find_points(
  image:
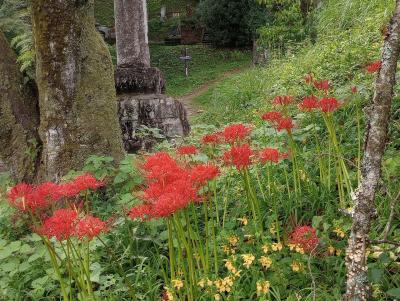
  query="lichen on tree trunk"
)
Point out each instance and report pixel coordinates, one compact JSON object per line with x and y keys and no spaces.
{"x":76,"y":89}
{"x":19,"y":118}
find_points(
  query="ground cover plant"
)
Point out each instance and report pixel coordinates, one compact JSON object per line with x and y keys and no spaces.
{"x":250,"y":212}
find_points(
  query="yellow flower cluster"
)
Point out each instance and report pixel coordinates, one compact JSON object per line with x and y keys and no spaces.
{"x":224,"y":284}
{"x":262,"y":287}
{"x":168,"y":294}
{"x":248,"y":260}
{"x":265,"y":249}
{"x":243,"y":221}
{"x":205,"y":281}
{"x":233,"y":240}
{"x":296,"y":266}
{"x":276,"y":246}
{"x":339,"y":232}
{"x":177,"y":283}
{"x":296,"y":247}
{"x":265,"y":261}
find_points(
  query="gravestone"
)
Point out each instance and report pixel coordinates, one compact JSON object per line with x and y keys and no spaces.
{"x":140,"y":86}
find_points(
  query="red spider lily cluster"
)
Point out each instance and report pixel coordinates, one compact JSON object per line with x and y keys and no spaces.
{"x":170,"y":186}
{"x":235,"y":133}
{"x":374,"y":67}
{"x":305,"y":237}
{"x":239,"y":156}
{"x":186,"y":150}
{"x":64,"y":223}
{"x":29,"y":198}
{"x":322,"y":85}
{"x":283,"y":100}
{"x":271,"y":155}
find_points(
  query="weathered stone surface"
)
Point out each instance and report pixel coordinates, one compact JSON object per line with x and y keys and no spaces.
{"x":154,"y":111}
{"x":131,"y":32}
{"x":139,"y":79}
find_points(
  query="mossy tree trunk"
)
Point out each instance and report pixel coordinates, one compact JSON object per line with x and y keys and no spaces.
{"x":19,"y":118}
{"x":74,"y":74}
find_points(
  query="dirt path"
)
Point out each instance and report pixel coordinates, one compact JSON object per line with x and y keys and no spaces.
{"x":187,"y":99}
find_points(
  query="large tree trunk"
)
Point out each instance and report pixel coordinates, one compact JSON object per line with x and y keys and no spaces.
{"x":378,"y":115}
{"x":76,"y":87}
{"x":19,"y":118}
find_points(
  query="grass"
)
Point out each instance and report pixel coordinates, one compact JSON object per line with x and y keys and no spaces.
{"x":207,"y":64}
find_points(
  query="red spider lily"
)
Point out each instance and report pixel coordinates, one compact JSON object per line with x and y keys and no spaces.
{"x":79,"y":184}
{"x":211,"y":138}
{"x":329,"y":104}
{"x":27,"y":198}
{"x":374,"y":67}
{"x":283,"y":100}
{"x":240,"y":156}
{"x":269,"y":155}
{"x":309,"y":103}
{"x":308,"y":78}
{"x":90,"y":227}
{"x":161,"y":167}
{"x":322,"y":85}
{"x":285,"y":124}
{"x":141,"y":211}
{"x":235,"y":133}
{"x":186,"y":150}
{"x":272,"y":116}
{"x":354,"y":90}
{"x":61,"y":225}
{"x":175,"y":197}
{"x":202,"y":173}
{"x":305,"y":237}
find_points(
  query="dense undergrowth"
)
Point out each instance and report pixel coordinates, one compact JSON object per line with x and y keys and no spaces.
{"x":259,"y":221}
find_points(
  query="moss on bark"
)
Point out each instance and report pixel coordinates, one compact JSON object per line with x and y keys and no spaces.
{"x":19,"y":139}
{"x":76,"y":87}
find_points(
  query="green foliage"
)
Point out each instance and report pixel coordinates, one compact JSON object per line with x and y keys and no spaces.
{"x":104,"y":12}
{"x":16,"y":23}
{"x":232,"y":23}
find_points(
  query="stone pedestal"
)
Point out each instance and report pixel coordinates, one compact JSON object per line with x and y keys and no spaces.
{"x":153,"y":111}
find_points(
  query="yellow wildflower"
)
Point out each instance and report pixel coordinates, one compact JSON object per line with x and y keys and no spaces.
{"x":265,"y":249}
{"x":338,"y":252}
{"x":339,"y":232}
{"x":243,"y":221}
{"x":233,"y":240}
{"x":177,"y":283}
{"x":217,"y":297}
{"x":262,"y":287}
{"x":292,"y":247}
{"x":229,"y":265}
{"x":272,"y":230}
{"x":248,"y":259}
{"x":296,"y":266}
{"x":224,"y":285}
{"x":276,"y":246}
{"x":201,"y":283}
{"x":228,"y":250}
{"x":299,"y":249}
{"x":331,"y":250}
{"x":265,"y":261}
{"x":168,"y":294}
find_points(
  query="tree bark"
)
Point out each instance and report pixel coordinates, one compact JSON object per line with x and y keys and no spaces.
{"x":378,"y":115}
{"x":76,"y":88}
{"x":19,"y":118}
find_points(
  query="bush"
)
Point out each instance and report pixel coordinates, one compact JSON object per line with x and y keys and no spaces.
{"x":232,"y":23}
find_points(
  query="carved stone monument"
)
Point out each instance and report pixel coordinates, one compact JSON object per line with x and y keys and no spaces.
{"x":140,"y":86}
